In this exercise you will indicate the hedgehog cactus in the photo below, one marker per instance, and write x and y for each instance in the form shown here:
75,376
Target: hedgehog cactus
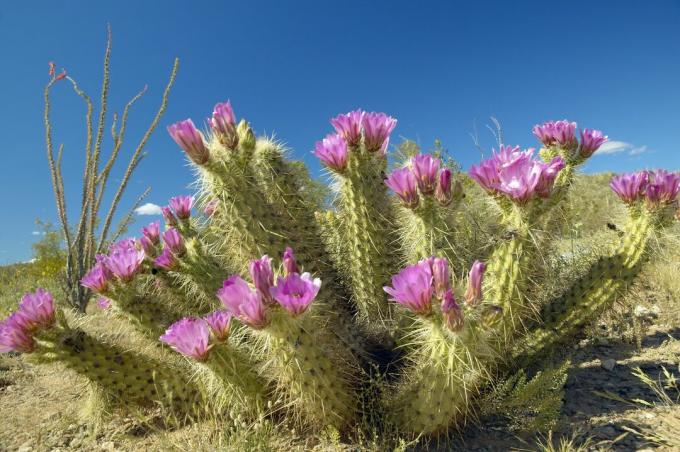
256,304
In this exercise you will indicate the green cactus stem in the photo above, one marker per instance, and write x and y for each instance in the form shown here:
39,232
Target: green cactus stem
312,371
365,210
129,378
592,293
443,373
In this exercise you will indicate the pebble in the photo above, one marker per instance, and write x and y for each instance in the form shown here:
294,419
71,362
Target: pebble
608,364
108,446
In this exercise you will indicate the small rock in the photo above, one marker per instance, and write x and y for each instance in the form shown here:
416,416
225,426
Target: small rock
108,446
607,430
608,364
649,415
26,447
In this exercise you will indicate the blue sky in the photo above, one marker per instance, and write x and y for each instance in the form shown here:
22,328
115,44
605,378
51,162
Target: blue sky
439,67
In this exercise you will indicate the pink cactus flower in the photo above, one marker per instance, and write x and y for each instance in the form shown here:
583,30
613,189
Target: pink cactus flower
557,133
181,206
591,140
412,288
348,125
97,279
243,303
219,322
189,336
103,303
174,242
332,151
14,336
662,187
630,187
152,232
166,260
125,263
190,139
295,292
37,309
425,168
377,130
405,185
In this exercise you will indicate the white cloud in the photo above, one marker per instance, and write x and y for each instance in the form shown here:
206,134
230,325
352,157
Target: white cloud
38,233
148,209
612,147
638,150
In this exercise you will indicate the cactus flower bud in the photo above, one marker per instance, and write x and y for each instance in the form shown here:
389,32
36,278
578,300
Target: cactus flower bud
166,260
486,174
219,322
443,191
295,292
211,207
591,140
153,232
189,336
348,125
289,263
174,241
377,130
181,206
169,217
412,288
263,276
332,151
97,279
245,135
37,309
452,312
188,137
425,168
243,303
148,247
629,187
473,294
103,303
223,124
14,336
440,275
404,184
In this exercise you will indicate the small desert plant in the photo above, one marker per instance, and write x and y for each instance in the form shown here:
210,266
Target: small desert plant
82,243
361,314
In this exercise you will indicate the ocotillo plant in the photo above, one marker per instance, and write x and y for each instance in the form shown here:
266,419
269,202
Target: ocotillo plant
82,243
277,308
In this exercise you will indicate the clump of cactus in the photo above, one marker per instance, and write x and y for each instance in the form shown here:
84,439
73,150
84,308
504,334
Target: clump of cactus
282,311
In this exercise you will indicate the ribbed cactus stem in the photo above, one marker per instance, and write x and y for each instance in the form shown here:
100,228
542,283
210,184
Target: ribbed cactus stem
229,381
128,377
444,373
365,209
149,314
593,292
424,230
311,370
507,274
